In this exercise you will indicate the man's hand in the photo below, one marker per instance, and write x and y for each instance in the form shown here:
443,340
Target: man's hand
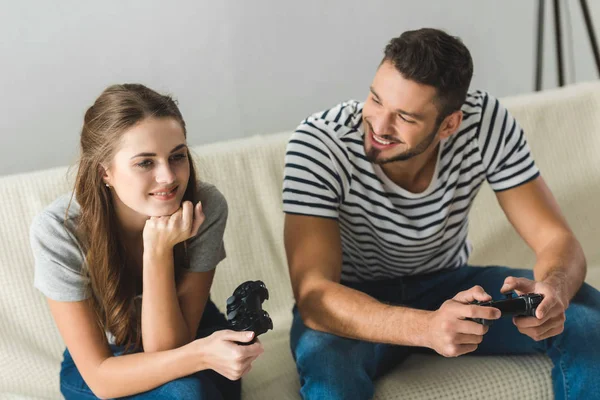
449,333
549,317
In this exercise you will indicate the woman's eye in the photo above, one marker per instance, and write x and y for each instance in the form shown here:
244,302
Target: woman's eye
179,157
144,164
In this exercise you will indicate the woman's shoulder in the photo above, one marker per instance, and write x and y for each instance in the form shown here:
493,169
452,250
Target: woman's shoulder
60,215
214,204
58,254
206,249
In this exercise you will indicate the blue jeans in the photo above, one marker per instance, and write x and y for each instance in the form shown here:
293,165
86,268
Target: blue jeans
203,385
332,367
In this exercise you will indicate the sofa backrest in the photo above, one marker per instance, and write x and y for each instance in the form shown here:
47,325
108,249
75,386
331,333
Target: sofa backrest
249,173
562,126
563,130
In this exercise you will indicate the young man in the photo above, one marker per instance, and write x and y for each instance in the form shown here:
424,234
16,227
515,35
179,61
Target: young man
377,196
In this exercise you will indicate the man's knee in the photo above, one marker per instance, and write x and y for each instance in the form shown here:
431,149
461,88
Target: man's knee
583,314
334,367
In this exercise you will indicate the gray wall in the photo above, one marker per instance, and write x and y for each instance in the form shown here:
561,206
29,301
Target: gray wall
239,68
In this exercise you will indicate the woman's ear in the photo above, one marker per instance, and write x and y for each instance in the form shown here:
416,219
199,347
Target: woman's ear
104,174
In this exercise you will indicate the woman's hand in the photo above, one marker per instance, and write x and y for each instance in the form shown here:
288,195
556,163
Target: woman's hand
165,232
222,353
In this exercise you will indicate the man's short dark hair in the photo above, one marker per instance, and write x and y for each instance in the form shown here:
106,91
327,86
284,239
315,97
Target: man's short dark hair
432,57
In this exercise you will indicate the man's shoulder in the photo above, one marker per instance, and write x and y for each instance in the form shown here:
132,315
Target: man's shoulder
339,120
475,102
335,128
481,113
344,113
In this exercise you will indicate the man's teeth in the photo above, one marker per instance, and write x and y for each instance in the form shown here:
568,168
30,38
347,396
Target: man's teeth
381,141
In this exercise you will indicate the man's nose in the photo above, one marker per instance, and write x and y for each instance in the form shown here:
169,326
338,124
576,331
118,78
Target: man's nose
382,124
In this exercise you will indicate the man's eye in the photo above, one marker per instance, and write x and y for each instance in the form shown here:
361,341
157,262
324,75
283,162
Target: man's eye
375,100
406,120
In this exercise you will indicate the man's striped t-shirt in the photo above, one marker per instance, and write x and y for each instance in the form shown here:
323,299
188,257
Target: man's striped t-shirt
386,231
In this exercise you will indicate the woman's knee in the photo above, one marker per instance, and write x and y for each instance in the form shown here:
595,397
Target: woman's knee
189,387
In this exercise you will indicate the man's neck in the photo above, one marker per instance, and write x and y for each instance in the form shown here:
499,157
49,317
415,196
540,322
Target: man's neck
414,175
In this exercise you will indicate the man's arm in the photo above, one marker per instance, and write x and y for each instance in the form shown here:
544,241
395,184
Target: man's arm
560,266
314,253
534,213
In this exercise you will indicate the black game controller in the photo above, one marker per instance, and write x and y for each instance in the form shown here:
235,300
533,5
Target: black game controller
244,309
524,305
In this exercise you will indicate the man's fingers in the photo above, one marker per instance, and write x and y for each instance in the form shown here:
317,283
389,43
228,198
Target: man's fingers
459,350
476,293
532,322
545,307
475,311
543,332
522,285
464,339
527,322
472,328
557,330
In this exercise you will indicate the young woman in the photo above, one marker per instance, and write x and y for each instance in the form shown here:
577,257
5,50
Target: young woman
127,261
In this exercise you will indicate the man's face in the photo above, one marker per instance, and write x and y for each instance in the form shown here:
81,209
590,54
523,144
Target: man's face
399,117
150,170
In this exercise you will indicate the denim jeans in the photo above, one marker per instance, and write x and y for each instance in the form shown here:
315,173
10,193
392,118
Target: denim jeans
203,385
332,367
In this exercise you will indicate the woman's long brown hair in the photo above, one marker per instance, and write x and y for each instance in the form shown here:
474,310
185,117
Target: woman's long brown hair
111,283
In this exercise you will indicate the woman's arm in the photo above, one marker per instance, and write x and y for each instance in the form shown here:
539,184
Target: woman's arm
109,376
170,315
169,321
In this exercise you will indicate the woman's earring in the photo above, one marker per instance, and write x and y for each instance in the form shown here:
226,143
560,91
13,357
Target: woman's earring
107,185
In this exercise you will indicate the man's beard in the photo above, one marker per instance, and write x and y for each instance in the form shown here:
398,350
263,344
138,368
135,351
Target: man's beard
373,153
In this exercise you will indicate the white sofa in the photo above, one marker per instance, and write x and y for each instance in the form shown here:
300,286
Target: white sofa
563,128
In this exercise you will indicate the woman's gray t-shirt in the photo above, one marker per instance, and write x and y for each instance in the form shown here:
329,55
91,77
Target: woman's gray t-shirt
60,257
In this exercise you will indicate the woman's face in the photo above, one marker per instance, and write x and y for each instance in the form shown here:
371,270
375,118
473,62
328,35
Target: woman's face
150,170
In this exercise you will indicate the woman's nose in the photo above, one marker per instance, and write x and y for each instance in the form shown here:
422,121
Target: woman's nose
164,174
